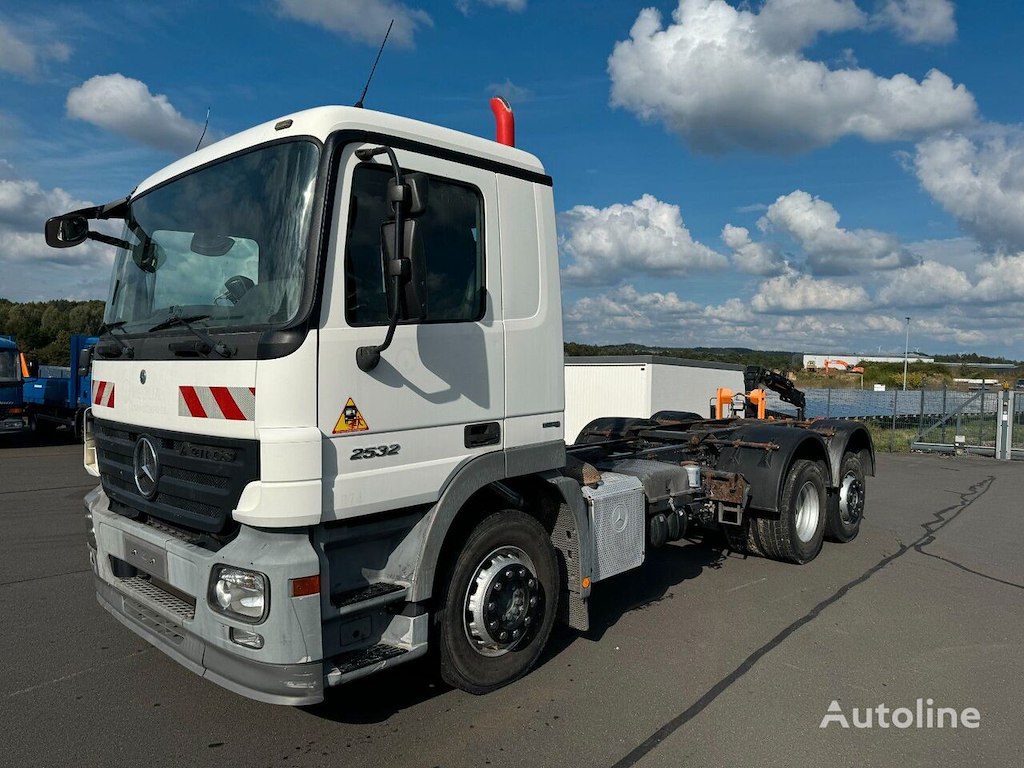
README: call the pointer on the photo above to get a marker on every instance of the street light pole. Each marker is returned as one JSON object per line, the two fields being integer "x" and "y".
{"x": 906, "y": 352}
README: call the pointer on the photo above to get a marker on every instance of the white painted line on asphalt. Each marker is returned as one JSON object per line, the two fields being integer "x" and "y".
{"x": 81, "y": 672}
{"x": 748, "y": 584}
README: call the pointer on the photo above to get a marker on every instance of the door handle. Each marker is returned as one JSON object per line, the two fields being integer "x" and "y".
{"x": 479, "y": 435}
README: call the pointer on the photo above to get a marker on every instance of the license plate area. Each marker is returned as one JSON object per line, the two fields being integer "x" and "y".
{"x": 145, "y": 557}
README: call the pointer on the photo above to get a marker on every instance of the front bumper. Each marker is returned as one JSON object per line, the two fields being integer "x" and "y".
{"x": 169, "y": 608}
{"x": 10, "y": 424}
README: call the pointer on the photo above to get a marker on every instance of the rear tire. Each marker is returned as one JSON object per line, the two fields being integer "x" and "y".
{"x": 38, "y": 426}
{"x": 796, "y": 536}
{"x": 742, "y": 539}
{"x": 846, "y": 506}
{"x": 498, "y": 605}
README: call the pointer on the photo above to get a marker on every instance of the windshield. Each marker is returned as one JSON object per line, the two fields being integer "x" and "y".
{"x": 10, "y": 370}
{"x": 226, "y": 242}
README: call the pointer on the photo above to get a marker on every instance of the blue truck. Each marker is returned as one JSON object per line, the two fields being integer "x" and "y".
{"x": 11, "y": 404}
{"x": 59, "y": 396}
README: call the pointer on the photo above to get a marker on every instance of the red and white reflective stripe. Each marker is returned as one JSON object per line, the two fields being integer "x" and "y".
{"x": 103, "y": 393}
{"x": 233, "y": 403}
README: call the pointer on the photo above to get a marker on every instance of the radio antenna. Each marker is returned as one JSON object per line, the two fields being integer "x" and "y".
{"x": 359, "y": 104}
{"x": 203, "y": 134}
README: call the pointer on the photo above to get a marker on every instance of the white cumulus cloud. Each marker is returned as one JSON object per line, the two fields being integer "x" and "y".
{"x": 919, "y": 21}
{"x": 799, "y": 293}
{"x": 980, "y": 182}
{"x": 126, "y": 107}
{"x": 22, "y": 53}
{"x": 31, "y": 269}
{"x": 364, "y": 21}
{"x": 813, "y": 224}
{"x": 755, "y": 258}
{"x": 626, "y": 308}
{"x": 928, "y": 284}
{"x": 647, "y": 236}
{"x": 1002, "y": 279}
{"x": 723, "y": 78}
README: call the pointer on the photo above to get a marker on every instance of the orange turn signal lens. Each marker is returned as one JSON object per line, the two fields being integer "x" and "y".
{"x": 586, "y": 582}
{"x": 307, "y": 585}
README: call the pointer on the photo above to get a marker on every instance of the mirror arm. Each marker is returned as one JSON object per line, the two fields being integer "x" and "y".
{"x": 117, "y": 242}
{"x": 367, "y": 358}
{"x": 116, "y": 209}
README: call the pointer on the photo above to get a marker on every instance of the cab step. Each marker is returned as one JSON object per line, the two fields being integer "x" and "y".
{"x": 356, "y": 664}
{"x": 370, "y": 596}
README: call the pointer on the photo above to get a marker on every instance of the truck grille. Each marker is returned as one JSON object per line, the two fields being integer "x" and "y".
{"x": 200, "y": 478}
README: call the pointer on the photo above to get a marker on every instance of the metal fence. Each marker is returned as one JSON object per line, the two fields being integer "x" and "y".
{"x": 903, "y": 420}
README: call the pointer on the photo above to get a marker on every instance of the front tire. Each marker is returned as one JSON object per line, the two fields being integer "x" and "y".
{"x": 796, "y": 536}
{"x": 498, "y": 605}
{"x": 846, "y": 507}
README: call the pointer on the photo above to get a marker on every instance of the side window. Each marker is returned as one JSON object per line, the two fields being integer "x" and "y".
{"x": 452, "y": 237}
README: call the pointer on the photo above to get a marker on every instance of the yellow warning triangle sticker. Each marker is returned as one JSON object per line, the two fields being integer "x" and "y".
{"x": 351, "y": 420}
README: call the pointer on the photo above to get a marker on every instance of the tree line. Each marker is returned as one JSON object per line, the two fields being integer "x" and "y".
{"x": 775, "y": 360}
{"x": 43, "y": 329}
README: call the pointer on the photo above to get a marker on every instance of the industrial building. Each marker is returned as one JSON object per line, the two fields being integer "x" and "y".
{"x": 840, "y": 361}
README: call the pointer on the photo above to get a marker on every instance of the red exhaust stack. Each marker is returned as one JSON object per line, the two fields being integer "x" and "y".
{"x": 506, "y": 122}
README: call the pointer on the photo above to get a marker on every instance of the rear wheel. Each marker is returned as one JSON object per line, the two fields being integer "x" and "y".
{"x": 796, "y": 536}
{"x": 38, "y": 426}
{"x": 498, "y": 604}
{"x": 846, "y": 507}
{"x": 742, "y": 539}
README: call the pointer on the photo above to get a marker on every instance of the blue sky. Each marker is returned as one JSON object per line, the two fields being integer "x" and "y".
{"x": 795, "y": 174}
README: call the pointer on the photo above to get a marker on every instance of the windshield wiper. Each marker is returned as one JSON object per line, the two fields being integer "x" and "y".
{"x": 174, "y": 320}
{"x": 208, "y": 343}
{"x": 108, "y": 328}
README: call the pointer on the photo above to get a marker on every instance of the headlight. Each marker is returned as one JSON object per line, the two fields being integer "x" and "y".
{"x": 238, "y": 593}
{"x": 90, "y": 531}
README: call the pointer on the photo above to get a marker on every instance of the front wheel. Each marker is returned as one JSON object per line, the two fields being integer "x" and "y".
{"x": 796, "y": 536}
{"x": 498, "y": 604}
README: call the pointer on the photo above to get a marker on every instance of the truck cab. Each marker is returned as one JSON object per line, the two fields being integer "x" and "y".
{"x": 11, "y": 375}
{"x": 231, "y": 417}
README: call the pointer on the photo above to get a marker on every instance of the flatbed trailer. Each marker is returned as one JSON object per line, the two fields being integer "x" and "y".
{"x": 59, "y": 396}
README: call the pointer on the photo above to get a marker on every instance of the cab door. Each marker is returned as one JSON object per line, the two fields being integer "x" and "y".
{"x": 396, "y": 434}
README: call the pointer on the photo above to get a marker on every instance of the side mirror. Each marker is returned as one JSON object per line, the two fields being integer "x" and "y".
{"x": 66, "y": 231}
{"x": 84, "y": 361}
{"x": 411, "y": 268}
{"x": 33, "y": 369}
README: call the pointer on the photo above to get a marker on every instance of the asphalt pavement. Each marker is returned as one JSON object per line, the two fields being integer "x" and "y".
{"x": 699, "y": 658}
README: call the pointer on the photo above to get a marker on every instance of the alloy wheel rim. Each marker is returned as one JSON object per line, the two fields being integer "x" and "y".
{"x": 504, "y": 602}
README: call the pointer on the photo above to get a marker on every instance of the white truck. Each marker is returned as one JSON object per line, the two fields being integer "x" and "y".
{"x": 327, "y": 418}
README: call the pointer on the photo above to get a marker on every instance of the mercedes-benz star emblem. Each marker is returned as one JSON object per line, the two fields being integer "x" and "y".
{"x": 147, "y": 467}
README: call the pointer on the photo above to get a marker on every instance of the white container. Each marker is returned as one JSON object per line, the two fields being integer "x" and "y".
{"x": 641, "y": 385}
{"x": 692, "y": 475}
